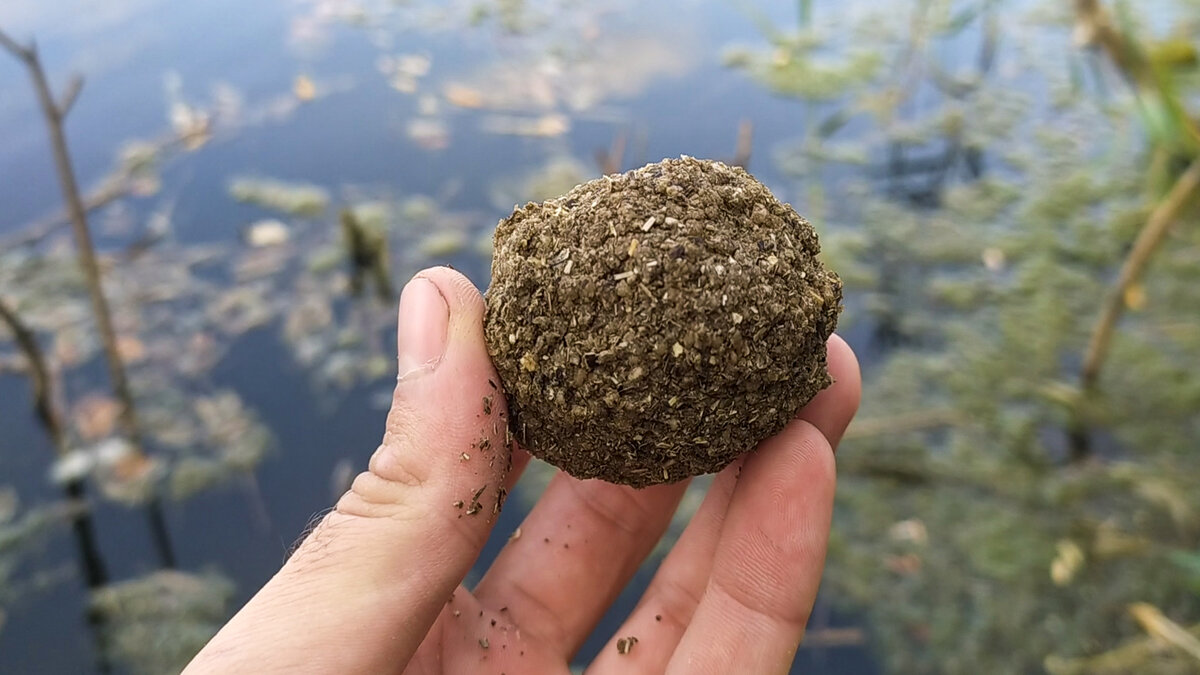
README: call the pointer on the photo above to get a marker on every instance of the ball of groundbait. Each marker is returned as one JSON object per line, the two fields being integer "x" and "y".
{"x": 654, "y": 325}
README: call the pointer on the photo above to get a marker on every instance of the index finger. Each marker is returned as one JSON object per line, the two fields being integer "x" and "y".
{"x": 768, "y": 561}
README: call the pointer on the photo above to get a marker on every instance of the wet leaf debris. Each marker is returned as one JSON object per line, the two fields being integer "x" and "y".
{"x": 654, "y": 325}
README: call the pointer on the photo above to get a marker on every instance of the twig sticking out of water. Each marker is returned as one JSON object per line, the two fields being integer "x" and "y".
{"x": 39, "y": 375}
{"x": 745, "y": 144}
{"x": 55, "y": 111}
{"x": 91, "y": 563}
{"x": 1147, "y": 242}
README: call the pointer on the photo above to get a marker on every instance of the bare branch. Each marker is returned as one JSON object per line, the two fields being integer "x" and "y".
{"x": 67, "y": 100}
{"x": 116, "y": 185}
{"x": 610, "y": 160}
{"x": 39, "y": 376}
{"x": 1144, "y": 246}
{"x": 86, "y": 251}
{"x": 745, "y": 143}
{"x": 83, "y": 245}
{"x": 26, "y": 54}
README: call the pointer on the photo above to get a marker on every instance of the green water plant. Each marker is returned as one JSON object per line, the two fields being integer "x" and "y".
{"x": 1023, "y": 267}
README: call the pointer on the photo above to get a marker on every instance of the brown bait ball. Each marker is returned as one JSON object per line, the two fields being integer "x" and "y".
{"x": 655, "y": 325}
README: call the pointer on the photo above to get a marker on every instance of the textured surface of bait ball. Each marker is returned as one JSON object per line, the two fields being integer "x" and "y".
{"x": 654, "y": 325}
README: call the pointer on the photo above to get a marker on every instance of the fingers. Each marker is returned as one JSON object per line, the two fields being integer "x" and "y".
{"x": 375, "y": 573}
{"x": 667, "y": 607}
{"x": 768, "y": 562}
{"x": 578, "y": 548}
{"x": 832, "y": 409}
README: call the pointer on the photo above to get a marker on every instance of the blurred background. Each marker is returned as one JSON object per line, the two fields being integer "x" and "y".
{"x": 1007, "y": 187}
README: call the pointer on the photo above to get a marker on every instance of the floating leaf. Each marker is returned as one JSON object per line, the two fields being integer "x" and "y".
{"x": 95, "y": 416}
{"x": 304, "y": 88}
{"x": 156, "y": 623}
{"x": 1067, "y": 563}
{"x": 267, "y": 233}
{"x": 463, "y": 96}
{"x": 442, "y": 244}
{"x": 298, "y": 199}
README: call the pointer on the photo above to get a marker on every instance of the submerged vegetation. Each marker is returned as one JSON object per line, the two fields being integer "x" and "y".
{"x": 1007, "y": 189}
{"x": 1021, "y": 484}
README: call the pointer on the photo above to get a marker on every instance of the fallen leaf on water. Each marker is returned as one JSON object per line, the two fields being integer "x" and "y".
{"x": 303, "y": 88}
{"x": 200, "y": 354}
{"x": 1067, "y": 563}
{"x": 72, "y": 467}
{"x": 131, "y": 349}
{"x": 463, "y": 96}
{"x": 545, "y": 126}
{"x": 300, "y": 199}
{"x": 240, "y": 309}
{"x": 152, "y": 622}
{"x": 442, "y": 244}
{"x": 416, "y": 65}
{"x": 68, "y": 351}
{"x": 269, "y": 232}
{"x": 429, "y": 133}
{"x": 95, "y": 416}
{"x": 145, "y": 185}
{"x": 403, "y": 83}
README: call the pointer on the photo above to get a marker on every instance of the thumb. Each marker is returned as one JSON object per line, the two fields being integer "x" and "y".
{"x": 361, "y": 592}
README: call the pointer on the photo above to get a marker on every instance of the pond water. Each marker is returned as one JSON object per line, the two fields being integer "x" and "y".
{"x": 384, "y": 101}
{"x": 1017, "y": 493}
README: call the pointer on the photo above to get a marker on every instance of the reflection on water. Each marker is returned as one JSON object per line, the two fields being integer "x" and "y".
{"x": 259, "y": 188}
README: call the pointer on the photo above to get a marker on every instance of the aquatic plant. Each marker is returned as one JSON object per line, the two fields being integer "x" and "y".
{"x": 1006, "y": 503}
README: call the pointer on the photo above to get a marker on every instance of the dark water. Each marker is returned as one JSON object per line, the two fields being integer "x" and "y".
{"x": 354, "y": 136}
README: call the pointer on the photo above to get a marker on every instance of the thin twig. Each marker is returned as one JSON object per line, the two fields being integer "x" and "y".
{"x": 70, "y": 94}
{"x": 54, "y": 116}
{"x": 83, "y": 238}
{"x": 39, "y": 376}
{"x": 91, "y": 562}
{"x": 610, "y": 160}
{"x": 38, "y": 230}
{"x": 118, "y": 184}
{"x": 17, "y": 50}
{"x": 745, "y": 144}
{"x": 1144, "y": 246}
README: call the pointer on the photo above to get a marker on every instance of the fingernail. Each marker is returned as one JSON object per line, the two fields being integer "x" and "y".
{"x": 421, "y": 334}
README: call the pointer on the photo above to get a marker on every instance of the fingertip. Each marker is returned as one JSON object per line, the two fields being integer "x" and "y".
{"x": 460, "y": 293}
{"x": 767, "y": 565}
{"x": 831, "y": 410}
{"x": 801, "y": 449}
{"x": 845, "y": 371}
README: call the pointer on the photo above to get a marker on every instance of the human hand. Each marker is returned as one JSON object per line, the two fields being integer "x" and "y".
{"x": 376, "y": 587}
